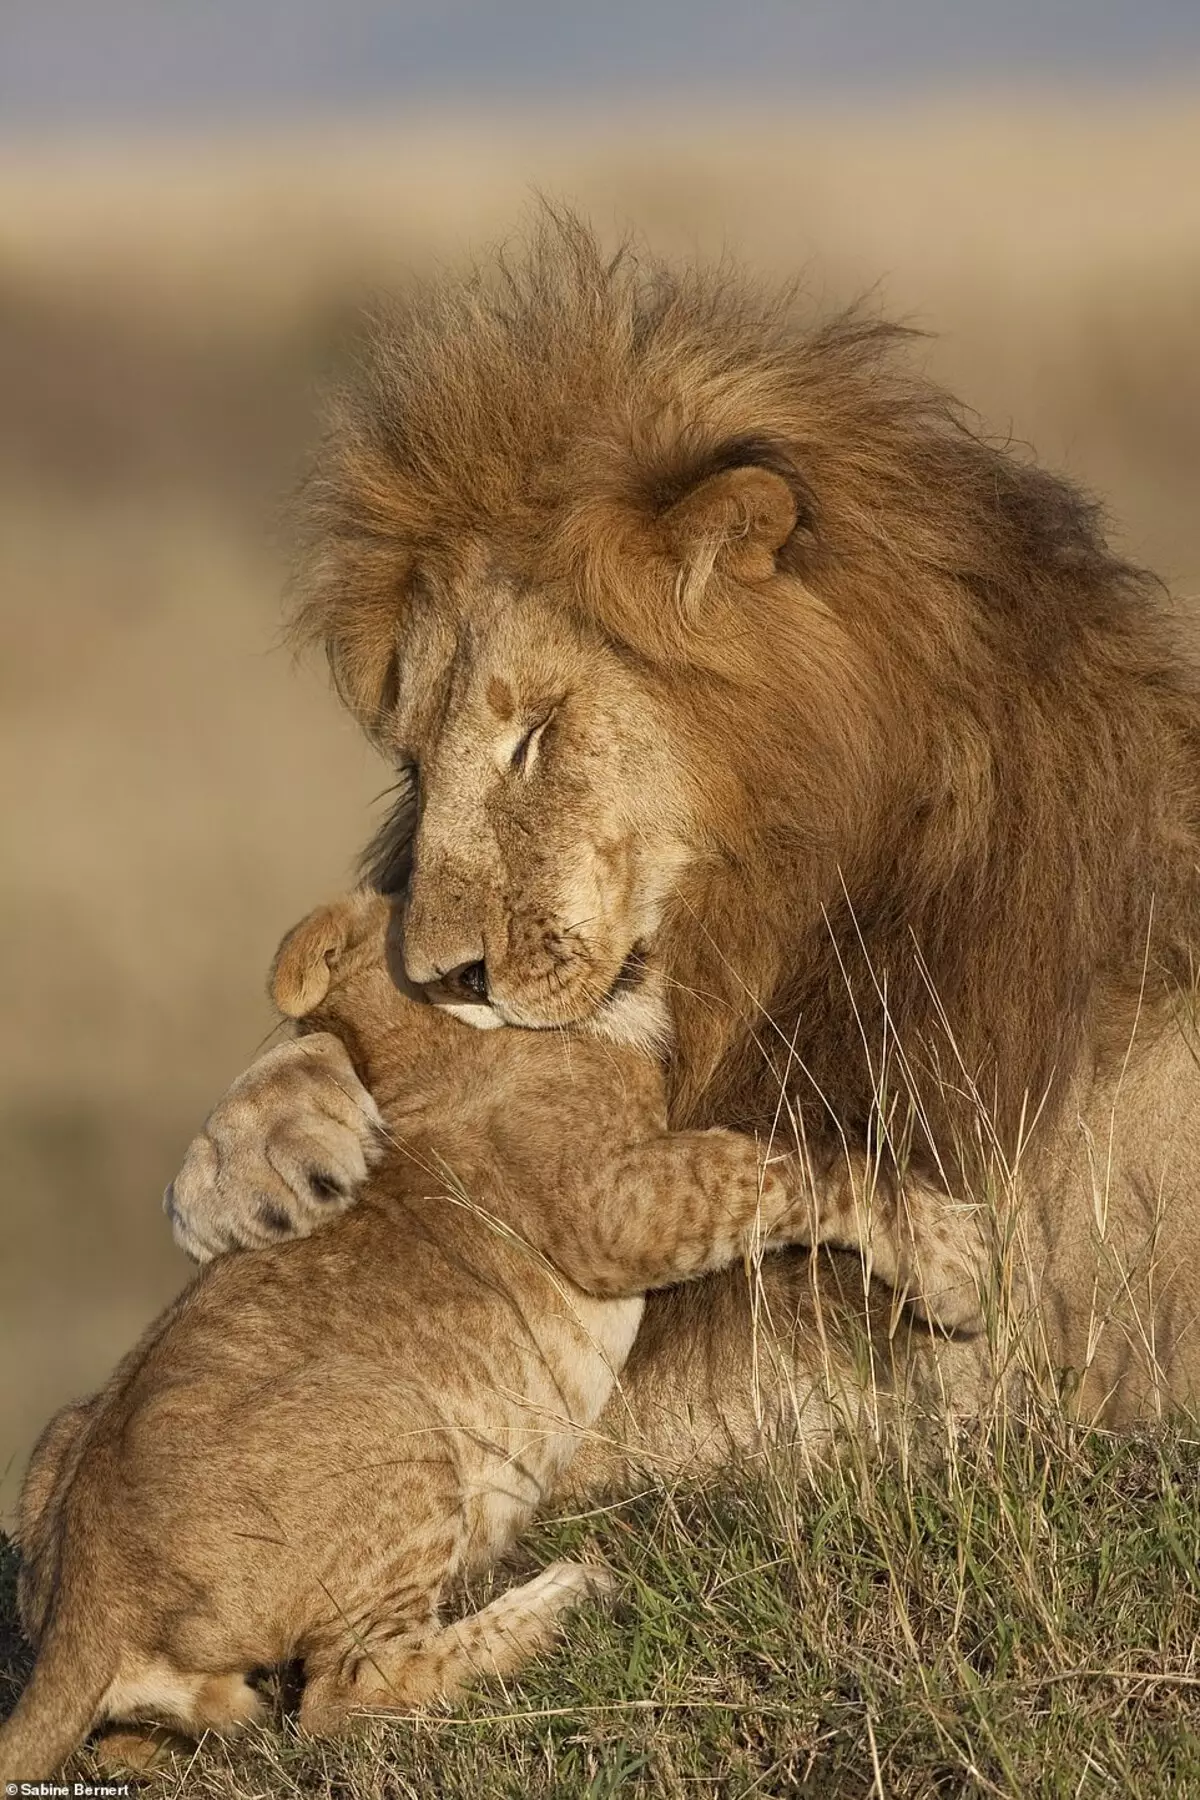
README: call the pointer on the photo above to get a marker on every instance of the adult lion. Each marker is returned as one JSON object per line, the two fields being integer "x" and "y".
{"x": 700, "y": 638}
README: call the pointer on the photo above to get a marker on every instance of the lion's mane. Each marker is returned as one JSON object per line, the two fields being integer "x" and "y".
{"x": 948, "y": 750}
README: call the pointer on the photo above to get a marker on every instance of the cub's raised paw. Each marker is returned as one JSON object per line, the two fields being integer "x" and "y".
{"x": 286, "y": 1149}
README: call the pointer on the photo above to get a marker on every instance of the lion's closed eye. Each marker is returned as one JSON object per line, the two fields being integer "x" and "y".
{"x": 526, "y": 752}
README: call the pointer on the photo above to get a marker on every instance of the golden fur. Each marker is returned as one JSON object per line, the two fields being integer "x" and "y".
{"x": 944, "y": 694}
{"x": 847, "y": 722}
{"x": 317, "y": 1439}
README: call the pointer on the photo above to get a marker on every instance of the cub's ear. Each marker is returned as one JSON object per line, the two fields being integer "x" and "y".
{"x": 340, "y": 940}
{"x": 304, "y": 961}
{"x": 735, "y": 521}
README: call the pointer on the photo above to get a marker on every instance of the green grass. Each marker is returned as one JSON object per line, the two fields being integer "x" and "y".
{"x": 1021, "y": 1619}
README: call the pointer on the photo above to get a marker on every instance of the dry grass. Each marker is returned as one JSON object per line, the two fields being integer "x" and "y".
{"x": 183, "y": 794}
{"x": 1017, "y": 1617}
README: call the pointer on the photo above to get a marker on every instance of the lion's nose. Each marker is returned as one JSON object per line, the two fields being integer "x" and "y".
{"x": 443, "y": 958}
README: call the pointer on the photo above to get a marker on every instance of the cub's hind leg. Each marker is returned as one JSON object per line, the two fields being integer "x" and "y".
{"x": 53, "y": 1458}
{"x": 491, "y": 1644}
{"x": 46, "y": 1465}
{"x": 157, "y": 1708}
{"x": 185, "y": 1706}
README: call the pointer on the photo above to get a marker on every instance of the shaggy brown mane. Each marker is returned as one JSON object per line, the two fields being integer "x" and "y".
{"x": 948, "y": 756}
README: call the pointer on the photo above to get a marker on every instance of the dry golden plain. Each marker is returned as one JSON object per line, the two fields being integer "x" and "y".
{"x": 177, "y": 791}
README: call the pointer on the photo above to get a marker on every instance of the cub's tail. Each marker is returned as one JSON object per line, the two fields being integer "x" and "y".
{"x": 62, "y": 1700}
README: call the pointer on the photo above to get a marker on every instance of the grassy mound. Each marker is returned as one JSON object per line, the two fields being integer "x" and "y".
{"x": 1019, "y": 1619}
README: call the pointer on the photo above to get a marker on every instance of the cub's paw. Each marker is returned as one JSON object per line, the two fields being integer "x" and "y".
{"x": 945, "y": 1260}
{"x": 285, "y": 1149}
{"x": 139, "y": 1750}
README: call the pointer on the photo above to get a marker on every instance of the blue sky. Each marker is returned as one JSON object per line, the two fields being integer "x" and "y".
{"x": 106, "y": 63}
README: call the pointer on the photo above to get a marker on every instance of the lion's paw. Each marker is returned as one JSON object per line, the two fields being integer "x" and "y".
{"x": 285, "y": 1149}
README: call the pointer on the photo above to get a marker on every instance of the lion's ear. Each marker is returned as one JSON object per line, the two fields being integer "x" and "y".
{"x": 304, "y": 961}
{"x": 735, "y": 521}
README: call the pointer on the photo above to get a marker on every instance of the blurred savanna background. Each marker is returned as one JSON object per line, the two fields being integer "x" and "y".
{"x": 195, "y": 204}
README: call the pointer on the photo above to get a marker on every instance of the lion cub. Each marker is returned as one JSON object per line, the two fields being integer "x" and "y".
{"x": 317, "y": 1438}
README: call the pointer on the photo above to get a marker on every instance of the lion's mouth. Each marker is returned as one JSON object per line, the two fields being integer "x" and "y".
{"x": 630, "y": 1010}
{"x": 560, "y": 998}
{"x": 632, "y": 973}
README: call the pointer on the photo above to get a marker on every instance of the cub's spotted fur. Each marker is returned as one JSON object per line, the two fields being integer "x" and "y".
{"x": 317, "y": 1439}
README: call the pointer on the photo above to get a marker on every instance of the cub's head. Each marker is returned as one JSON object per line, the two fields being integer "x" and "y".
{"x": 341, "y": 969}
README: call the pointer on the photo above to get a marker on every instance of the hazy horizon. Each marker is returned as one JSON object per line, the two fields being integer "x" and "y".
{"x": 77, "y": 66}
